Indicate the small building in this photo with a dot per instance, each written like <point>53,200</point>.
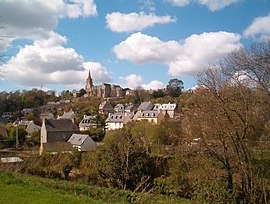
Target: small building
<point>68,115</point>
<point>56,131</point>
<point>7,114</point>
<point>116,121</point>
<point>46,115</point>
<point>119,108</point>
<point>105,107</point>
<point>82,142</point>
<point>29,126</point>
<point>168,108</point>
<point>131,108</point>
<point>88,122</point>
<point>152,116</point>
<point>26,111</point>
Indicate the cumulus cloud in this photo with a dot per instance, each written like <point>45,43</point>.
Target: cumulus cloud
<point>119,22</point>
<point>98,72</point>
<point>190,57</point>
<point>213,5</point>
<point>48,62</point>
<point>154,85</point>
<point>259,26</point>
<point>35,20</point>
<point>140,48</point>
<point>134,81</point>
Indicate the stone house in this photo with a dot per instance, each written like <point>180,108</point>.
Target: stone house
<point>152,116</point>
<point>56,131</point>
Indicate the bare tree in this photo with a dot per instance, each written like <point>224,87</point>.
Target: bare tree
<point>230,118</point>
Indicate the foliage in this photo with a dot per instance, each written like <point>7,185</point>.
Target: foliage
<point>122,161</point>
<point>174,87</point>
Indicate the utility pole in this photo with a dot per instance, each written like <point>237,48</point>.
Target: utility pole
<point>17,133</point>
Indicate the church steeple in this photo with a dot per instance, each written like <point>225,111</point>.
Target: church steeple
<point>89,87</point>
<point>89,79</point>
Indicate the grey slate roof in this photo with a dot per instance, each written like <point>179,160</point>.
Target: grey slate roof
<point>60,125</point>
<point>78,139</point>
<point>116,117</point>
<point>146,106</point>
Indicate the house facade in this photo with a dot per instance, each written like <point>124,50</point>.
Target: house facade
<point>88,122</point>
<point>152,116</point>
<point>56,131</point>
<point>116,120</point>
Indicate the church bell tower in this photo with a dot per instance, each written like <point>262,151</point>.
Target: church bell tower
<point>89,85</point>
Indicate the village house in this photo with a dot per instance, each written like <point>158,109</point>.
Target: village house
<point>82,142</point>
<point>27,111</point>
<point>7,114</point>
<point>88,122</point>
<point>46,115</point>
<point>68,115</point>
<point>56,132</point>
<point>29,126</point>
<point>119,108</point>
<point>168,108</point>
<point>152,116</point>
<point>116,120</point>
<point>105,107</point>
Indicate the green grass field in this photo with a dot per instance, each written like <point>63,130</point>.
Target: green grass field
<point>15,191</point>
<point>31,189</point>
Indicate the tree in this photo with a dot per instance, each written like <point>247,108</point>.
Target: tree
<point>174,87</point>
<point>230,118</point>
<point>122,162</point>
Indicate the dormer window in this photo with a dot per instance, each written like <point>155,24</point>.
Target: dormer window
<point>153,114</point>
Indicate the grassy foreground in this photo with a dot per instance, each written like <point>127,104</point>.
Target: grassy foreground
<point>30,189</point>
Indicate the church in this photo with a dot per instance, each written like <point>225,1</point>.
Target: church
<point>104,90</point>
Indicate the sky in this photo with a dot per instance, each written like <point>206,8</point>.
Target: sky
<point>52,44</point>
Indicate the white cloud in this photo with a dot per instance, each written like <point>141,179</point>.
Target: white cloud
<point>36,19</point>
<point>180,3</point>
<point>133,81</point>
<point>48,62</point>
<point>213,5</point>
<point>119,22</point>
<point>198,51</point>
<point>154,85</point>
<point>98,72</point>
<point>140,48</point>
<point>259,26</point>
<point>190,57</point>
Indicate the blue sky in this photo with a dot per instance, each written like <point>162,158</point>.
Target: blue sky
<point>52,44</point>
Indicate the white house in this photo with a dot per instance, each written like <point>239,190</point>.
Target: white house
<point>168,108</point>
<point>88,122</point>
<point>116,120</point>
<point>119,108</point>
<point>82,142</point>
